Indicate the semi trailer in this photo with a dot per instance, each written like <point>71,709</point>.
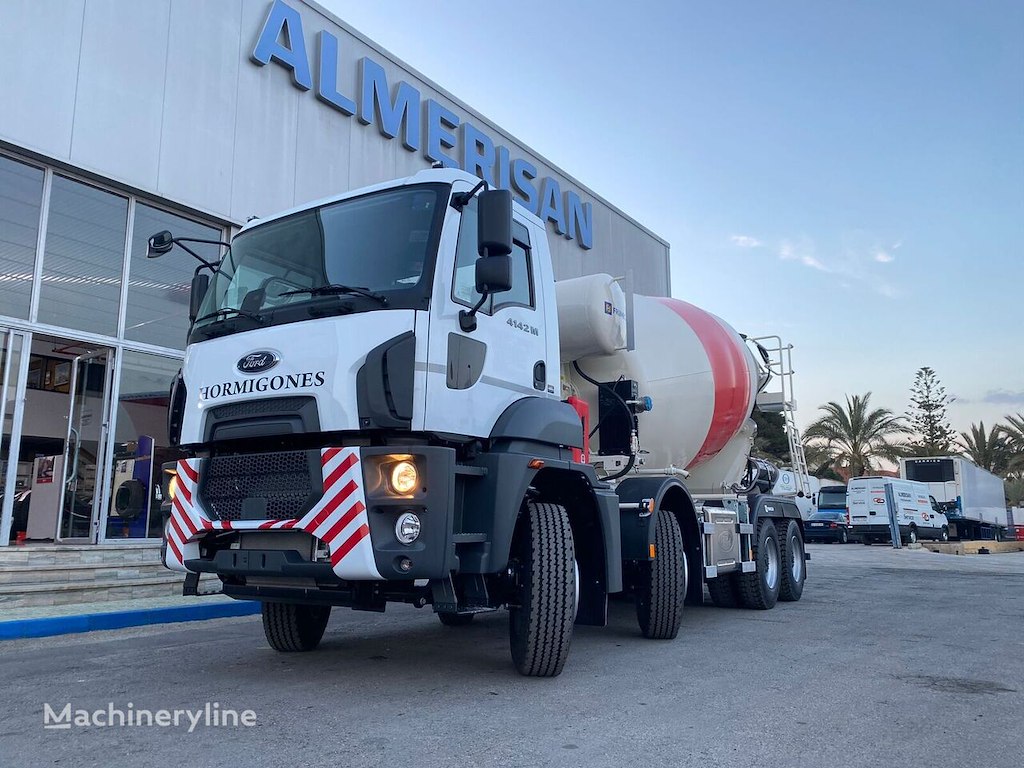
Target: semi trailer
<point>386,397</point>
<point>973,499</point>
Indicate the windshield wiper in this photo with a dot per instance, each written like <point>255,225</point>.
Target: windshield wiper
<point>336,289</point>
<point>227,312</point>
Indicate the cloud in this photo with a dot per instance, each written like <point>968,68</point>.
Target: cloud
<point>1003,397</point>
<point>896,245</point>
<point>745,241</point>
<point>883,257</point>
<point>803,252</point>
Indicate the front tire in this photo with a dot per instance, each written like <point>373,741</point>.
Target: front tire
<point>912,536</point>
<point>661,589</point>
<point>760,590</point>
<point>844,537</point>
<point>290,627</point>
<point>792,562</point>
<point>543,605</point>
<point>944,536</point>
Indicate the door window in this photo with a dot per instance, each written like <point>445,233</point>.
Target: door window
<point>464,283</point>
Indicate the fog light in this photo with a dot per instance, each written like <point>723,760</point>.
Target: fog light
<point>405,564</point>
<point>404,477</point>
<point>407,529</point>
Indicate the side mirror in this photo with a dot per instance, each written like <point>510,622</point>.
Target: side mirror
<point>200,285</point>
<point>493,274</point>
<point>494,223</point>
<point>159,244</point>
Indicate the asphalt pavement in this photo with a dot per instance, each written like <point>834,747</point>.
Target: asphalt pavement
<point>892,658</point>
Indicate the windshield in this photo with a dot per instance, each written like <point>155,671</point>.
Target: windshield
<point>375,251</point>
<point>834,516</point>
<point>832,499</point>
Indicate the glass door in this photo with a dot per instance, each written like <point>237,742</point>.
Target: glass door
<point>85,446</point>
<point>13,487</point>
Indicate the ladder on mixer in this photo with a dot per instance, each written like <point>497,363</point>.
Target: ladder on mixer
<point>781,400</point>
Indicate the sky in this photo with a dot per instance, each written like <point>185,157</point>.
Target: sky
<point>849,176</point>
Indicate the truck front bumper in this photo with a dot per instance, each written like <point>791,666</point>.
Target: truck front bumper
<point>344,531</point>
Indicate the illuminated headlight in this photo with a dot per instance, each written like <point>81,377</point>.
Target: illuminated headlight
<point>407,529</point>
<point>403,477</point>
<point>172,487</point>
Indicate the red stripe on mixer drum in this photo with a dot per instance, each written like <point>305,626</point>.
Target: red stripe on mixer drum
<point>729,371</point>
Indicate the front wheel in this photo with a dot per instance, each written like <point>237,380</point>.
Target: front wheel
<point>944,536</point>
<point>912,536</point>
<point>543,604</point>
<point>662,583</point>
<point>843,537</point>
<point>290,627</point>
<point>793,565</point>
<point>760,589</point>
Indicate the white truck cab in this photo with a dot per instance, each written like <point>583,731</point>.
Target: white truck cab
<point>876,502</point>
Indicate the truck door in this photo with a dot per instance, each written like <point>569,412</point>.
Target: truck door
<point>472,376</point>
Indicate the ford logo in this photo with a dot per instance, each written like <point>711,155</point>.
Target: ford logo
<point>258,362</point>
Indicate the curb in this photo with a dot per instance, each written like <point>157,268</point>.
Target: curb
<point>91,622</point>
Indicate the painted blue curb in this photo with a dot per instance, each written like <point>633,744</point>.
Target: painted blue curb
<point>90,622</point>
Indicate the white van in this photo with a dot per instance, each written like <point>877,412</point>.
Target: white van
<point>916,512</point>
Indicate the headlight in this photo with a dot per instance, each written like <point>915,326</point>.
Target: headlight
<point>403,477</point>
<point>407,529</point>
<point>172,488</point>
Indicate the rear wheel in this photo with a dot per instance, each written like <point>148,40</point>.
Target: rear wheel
<point>543,604</point>
<point>725,592</point>
<point>844,537</point>
<point>791,558</point>
<point>662,582</point>
<point>456,619</point>
<point>760,590</point>
<point>290,627</point>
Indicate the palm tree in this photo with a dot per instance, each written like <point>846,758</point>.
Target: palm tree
<point>1013,431</point>
<point>989,450</point>
<point>852,438</point>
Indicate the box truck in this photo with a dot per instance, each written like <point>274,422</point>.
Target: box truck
<point>972,498</point>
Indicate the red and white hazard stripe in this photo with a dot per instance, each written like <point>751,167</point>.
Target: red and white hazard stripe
<point>338,519</point>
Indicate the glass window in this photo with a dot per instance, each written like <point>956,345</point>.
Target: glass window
<point>21,197</point>
<point>140,445</point>
<point>464,283</point>
<point>83,257</point>
<point>158,289</point>
<point>373,251</point>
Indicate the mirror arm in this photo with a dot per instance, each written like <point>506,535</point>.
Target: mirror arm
<point>467,320</point>
<point>461,199</point>
<point>180,242</point>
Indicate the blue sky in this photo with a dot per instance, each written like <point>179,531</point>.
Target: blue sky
<point>849,176</point>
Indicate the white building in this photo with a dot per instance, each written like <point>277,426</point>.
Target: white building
<point>120,118</point>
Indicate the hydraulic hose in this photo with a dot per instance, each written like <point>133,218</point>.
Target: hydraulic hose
<point>632,416</point>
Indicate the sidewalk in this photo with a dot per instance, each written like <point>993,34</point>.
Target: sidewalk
<point>46,621</point>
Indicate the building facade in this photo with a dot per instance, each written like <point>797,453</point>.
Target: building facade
<point>120,119</point>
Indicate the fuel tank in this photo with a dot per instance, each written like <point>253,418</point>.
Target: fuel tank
<point>697,370</point>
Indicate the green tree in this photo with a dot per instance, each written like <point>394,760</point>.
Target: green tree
<point>1013,431</point>
<point>851,439</point>
<point>989,450</point>
<point>770,442</point>
<point>927,415</point>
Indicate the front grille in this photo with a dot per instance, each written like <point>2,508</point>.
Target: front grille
<point>283,479</point>
<point>272,405</point>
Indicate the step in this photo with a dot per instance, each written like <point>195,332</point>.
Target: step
<point>77,573</point>
<point>90,554</point>
<point>27,595</point>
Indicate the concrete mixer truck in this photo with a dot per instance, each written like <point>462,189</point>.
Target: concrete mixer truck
<point>386,397</point>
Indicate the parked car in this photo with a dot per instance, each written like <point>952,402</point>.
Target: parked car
<point>829,525</point>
